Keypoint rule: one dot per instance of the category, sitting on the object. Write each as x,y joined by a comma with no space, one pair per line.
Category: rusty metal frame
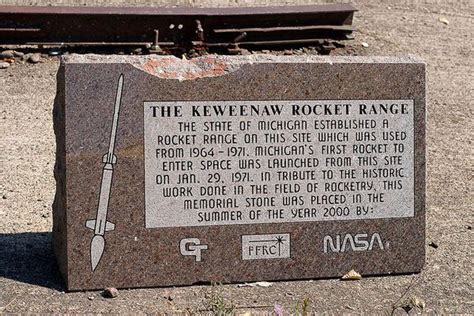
176,28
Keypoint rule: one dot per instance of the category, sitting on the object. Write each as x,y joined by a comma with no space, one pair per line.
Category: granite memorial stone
237,168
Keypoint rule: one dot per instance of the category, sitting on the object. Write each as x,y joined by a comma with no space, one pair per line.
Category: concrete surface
30,282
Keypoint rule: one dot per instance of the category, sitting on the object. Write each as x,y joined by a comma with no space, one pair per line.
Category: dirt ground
30,281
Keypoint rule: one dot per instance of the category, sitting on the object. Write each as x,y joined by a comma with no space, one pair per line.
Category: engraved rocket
100,225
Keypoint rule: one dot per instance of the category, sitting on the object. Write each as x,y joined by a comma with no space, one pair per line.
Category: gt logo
192,247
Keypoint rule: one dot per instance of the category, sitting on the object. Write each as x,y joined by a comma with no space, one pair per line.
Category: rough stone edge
171,67
59,204
423,154
95,58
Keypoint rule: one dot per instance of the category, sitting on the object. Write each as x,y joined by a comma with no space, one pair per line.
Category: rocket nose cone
97,249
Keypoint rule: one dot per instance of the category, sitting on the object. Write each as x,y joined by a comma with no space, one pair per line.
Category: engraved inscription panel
249,162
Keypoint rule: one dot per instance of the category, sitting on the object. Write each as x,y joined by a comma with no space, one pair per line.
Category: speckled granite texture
140,257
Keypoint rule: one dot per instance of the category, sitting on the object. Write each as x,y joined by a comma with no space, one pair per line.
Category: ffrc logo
269,246
349,242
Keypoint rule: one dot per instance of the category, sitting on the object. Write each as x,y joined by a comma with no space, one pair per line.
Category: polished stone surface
138,254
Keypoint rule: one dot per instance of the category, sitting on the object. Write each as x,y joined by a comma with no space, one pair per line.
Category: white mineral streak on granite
171,67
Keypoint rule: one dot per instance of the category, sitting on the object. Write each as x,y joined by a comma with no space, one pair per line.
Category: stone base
176,248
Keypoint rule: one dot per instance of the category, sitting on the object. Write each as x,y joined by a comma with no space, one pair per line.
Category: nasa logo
358,242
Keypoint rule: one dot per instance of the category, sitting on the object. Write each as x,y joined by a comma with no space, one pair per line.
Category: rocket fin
90,224
109,226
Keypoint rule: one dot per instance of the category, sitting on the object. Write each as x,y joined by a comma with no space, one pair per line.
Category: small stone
34,58
18,54
4,65
137,51
364,44
469,227
90,298
409,304
444,20
4,196
256,284
7,54
263,284
245,285
110,292
351,275
433,244
419,303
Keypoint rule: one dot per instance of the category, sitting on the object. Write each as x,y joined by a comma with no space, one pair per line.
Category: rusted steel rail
177,28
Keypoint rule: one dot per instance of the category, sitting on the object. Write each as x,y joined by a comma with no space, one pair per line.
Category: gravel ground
30,282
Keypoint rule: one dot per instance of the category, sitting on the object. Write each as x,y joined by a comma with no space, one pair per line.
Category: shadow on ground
29,258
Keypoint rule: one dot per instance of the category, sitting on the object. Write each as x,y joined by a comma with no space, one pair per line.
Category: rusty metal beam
179,28
182,11
288,28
